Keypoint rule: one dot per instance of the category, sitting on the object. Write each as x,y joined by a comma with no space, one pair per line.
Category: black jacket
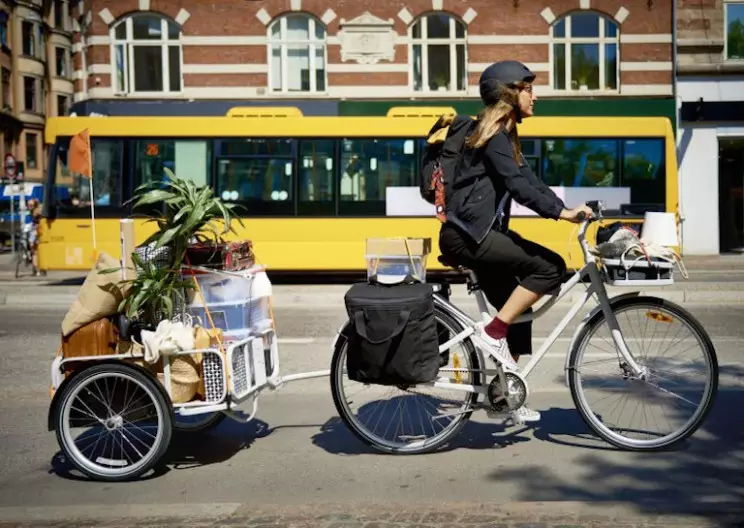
489,176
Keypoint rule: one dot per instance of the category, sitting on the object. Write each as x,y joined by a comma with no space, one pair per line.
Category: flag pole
92,200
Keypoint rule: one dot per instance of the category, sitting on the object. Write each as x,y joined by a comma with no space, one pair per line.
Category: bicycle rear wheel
684,388
401,424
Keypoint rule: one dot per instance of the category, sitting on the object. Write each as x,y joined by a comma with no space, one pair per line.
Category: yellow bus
315,188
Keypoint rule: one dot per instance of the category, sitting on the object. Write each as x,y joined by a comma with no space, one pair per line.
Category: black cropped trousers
502,262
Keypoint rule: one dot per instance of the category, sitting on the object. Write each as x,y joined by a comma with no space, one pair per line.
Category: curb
353,513
309,301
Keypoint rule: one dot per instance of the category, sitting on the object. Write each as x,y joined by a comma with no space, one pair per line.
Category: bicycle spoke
632,407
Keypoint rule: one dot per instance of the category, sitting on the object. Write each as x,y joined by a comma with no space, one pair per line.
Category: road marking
297,340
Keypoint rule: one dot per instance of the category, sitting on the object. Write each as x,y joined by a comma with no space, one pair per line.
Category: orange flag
79,156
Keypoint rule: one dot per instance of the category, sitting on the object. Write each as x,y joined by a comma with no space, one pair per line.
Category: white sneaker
501,348
525,414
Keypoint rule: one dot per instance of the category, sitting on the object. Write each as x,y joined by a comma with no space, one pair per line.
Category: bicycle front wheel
665,406
408,420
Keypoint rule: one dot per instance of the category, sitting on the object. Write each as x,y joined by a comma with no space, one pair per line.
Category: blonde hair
498,116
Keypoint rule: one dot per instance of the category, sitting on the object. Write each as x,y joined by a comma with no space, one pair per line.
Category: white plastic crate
640,272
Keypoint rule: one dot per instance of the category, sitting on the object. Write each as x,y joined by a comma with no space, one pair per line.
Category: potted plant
191,213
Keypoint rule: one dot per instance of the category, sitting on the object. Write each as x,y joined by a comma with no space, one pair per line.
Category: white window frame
452,42
601,41
312,44
727,3
129,42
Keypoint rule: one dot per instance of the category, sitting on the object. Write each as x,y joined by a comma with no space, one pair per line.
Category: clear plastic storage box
238,302
391,259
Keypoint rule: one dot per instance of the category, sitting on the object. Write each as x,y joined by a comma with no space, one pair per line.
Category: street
297,454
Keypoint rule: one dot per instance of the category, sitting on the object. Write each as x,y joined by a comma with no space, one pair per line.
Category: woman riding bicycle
514,273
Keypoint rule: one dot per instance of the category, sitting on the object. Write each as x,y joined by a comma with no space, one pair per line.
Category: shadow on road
705,471
703,474
189,450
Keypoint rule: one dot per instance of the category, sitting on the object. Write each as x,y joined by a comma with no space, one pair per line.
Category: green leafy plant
191,213
151,294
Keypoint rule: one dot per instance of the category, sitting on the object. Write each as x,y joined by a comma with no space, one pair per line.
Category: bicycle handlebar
597,207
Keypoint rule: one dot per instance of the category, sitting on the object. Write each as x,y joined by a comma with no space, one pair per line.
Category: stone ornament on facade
367,39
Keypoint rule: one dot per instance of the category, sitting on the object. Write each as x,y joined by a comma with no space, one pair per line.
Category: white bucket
659,229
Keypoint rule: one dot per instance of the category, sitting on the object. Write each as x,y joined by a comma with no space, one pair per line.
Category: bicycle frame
597,288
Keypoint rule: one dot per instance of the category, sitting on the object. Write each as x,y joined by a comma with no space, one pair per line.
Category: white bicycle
417,421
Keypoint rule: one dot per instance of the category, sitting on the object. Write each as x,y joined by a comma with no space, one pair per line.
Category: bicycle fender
585,321
339,333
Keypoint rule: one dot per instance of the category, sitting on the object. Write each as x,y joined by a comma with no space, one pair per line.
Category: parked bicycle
600,344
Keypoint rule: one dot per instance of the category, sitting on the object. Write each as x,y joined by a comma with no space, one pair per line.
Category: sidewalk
714,279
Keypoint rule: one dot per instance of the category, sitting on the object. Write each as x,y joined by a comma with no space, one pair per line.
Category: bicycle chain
446,400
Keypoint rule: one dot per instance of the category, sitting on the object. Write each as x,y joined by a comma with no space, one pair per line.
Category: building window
61,62
146,54
584,53
7,91
63,104
31,150
734,16
3,29
438,51
59,15
31,95
298,54
29,39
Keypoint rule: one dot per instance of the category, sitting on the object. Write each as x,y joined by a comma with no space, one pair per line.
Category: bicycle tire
150,387
336,365
210,421
708,350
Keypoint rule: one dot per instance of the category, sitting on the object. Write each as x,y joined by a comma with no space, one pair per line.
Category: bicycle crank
516,393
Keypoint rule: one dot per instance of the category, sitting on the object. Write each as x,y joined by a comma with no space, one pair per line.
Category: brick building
35,76
597,57
710,75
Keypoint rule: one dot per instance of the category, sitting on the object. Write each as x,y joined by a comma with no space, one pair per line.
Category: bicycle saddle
451,262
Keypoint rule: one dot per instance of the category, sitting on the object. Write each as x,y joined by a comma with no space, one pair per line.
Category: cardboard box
390,247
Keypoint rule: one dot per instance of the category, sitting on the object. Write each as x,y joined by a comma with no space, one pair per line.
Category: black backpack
393,338
442,156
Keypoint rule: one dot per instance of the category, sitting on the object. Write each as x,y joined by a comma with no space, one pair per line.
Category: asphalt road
297,454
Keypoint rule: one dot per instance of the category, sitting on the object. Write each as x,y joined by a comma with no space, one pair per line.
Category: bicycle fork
598,288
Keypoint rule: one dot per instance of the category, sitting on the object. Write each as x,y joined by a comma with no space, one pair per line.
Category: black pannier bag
393,338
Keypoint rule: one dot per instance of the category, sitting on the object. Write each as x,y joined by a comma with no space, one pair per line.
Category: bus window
531,153
580,162
263,184
74,198
644,170
368,167
316,181
256,147
188,159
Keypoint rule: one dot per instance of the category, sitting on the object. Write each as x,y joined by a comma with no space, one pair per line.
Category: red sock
497,328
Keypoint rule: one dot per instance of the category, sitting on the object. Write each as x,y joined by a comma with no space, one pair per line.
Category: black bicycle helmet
502,73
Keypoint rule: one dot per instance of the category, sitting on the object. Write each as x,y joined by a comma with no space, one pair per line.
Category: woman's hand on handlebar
577,214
